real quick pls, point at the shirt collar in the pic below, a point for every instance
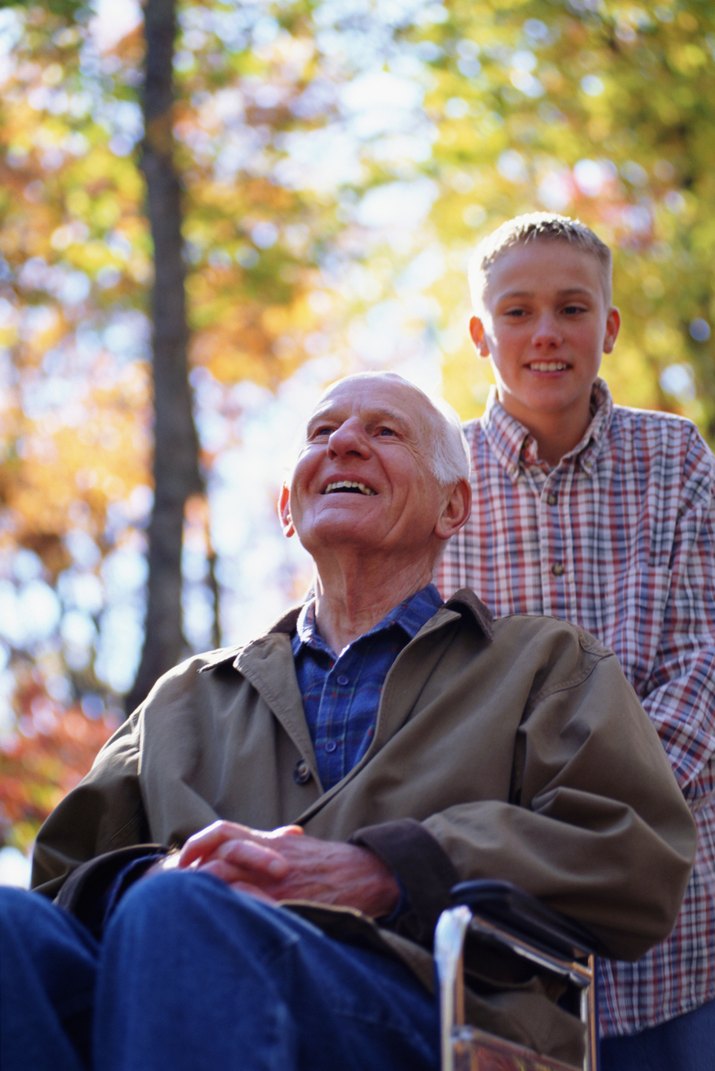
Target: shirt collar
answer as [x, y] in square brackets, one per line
[409, 615]
[465, 603]
[514, 446]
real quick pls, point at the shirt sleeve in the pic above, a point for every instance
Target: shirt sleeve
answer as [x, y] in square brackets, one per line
[679, 695]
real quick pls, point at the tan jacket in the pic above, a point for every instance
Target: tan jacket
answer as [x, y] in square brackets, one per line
[511, 749]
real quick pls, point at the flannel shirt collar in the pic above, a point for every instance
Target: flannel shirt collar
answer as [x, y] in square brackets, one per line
[409, 615]
[464, 602]
[515, 447]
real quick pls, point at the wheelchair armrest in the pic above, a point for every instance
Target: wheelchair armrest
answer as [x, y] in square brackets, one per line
[506, 916]
[506, 905]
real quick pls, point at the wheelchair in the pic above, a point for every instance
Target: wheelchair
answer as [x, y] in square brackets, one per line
[498, 915]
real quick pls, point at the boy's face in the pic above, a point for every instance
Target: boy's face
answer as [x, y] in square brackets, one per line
[545, 326]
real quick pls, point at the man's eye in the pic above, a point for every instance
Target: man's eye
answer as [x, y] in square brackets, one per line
[323, 431]
[385, 432]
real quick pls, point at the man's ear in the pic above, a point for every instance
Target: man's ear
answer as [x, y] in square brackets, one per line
[613, 323]
[455, 511]
[284, 512]
[478, 335]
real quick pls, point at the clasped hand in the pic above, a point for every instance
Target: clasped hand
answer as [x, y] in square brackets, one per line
[287, 864]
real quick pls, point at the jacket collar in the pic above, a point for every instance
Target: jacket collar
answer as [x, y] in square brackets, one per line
[467, 603]
[464, 602]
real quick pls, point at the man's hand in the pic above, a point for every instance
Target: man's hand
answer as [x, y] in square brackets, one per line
[286, 864]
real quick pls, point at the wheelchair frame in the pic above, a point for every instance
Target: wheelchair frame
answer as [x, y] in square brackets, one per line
[513, 919]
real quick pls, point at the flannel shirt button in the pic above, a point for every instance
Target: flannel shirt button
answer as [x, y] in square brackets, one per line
[551, 498]
[301, 772]
[557, 569]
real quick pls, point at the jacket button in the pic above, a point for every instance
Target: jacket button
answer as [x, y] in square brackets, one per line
[558, 569]
[301, 772]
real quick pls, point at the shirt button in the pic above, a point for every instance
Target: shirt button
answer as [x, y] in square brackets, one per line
[301, 772]
[551, 498]
[557, 569]
[330, 746]
[343, 680]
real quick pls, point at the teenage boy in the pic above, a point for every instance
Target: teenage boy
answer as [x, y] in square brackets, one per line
[602, 515]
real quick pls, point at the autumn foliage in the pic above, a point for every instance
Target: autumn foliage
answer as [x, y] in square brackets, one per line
[51, 748]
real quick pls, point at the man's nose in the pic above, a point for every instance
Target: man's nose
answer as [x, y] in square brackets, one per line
[349, 438]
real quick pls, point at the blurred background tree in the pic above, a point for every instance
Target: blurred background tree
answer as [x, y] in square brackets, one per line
[329, 165]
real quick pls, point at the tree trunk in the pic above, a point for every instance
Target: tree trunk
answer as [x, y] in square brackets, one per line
[175, 465]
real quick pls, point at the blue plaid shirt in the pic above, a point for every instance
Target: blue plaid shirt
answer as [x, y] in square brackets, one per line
[341, 693]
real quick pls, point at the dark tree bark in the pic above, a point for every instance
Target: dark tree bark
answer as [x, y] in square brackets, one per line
[176, 468]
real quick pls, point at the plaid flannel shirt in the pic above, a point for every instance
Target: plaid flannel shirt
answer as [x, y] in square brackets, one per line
[618, 538]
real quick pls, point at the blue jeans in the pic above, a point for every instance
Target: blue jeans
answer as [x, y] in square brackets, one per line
[686, 1043]
[191, 975]
[47, 973]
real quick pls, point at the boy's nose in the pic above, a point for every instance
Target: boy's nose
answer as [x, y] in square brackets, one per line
[546, 330]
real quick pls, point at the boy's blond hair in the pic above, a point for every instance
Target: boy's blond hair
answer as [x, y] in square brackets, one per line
[532, 227]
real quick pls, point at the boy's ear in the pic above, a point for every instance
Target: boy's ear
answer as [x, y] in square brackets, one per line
[284, 512]
[479, 338]
[613, 323]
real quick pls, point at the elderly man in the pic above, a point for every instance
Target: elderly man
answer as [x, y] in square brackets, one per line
[254, 865]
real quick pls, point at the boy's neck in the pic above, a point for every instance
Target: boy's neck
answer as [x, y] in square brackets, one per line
[556, 433]
[552, 448]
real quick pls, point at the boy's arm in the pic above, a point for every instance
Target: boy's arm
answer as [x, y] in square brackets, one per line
[679, 695]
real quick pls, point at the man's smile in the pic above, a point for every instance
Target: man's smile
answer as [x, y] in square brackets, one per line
[351, 487]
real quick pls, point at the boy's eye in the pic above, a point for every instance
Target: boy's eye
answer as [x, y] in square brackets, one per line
[515, 313]
[574, 310]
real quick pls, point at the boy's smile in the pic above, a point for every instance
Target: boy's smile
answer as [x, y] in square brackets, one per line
[545, 326]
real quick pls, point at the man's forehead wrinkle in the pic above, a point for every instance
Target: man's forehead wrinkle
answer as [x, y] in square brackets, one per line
[369, 414]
